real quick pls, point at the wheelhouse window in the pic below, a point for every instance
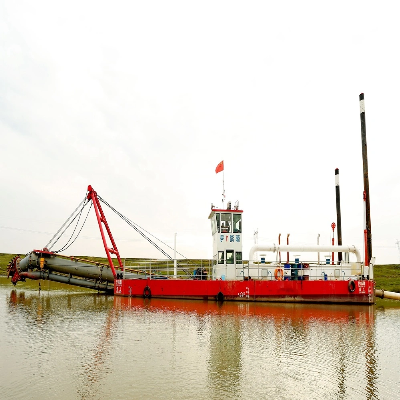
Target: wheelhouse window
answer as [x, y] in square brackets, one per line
[237, 223]
[226, 222]
[238, 257]
[218, 219]
[221, 259]
[230, 257]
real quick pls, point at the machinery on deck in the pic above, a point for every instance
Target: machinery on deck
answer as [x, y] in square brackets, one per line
[47, 264]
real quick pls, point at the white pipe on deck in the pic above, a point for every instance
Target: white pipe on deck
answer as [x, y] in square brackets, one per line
[305, 249]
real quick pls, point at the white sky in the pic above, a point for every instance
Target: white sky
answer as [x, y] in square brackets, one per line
[143, 99]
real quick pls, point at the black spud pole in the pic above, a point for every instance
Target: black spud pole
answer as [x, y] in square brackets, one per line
[368, 243]
[338, 214]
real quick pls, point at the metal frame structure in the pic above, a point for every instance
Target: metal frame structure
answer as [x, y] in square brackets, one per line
[101, 219]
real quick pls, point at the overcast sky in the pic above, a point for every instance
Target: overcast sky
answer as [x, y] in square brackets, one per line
[143, 99]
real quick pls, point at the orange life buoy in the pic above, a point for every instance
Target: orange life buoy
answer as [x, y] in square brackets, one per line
[278, 274]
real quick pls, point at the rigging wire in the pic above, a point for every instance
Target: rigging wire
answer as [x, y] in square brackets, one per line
[136, 228]
[78, 215]
[66, 246]
[132, 224]
[48, 244]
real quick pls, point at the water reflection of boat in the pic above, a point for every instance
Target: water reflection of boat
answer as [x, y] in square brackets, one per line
[235, 344]
[294, 311]
[285, 342]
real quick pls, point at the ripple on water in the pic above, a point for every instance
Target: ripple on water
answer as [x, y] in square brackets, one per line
[78, 345]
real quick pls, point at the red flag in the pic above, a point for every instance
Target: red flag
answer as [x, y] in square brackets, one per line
[220, 167]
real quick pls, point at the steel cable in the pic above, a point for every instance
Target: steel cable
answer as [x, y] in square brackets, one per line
[133, 225]
[136, 228]
[66, 246]
[62, 233]
[47, 245]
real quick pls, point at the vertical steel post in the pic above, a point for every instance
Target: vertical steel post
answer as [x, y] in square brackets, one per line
[279, 242]
[366, 255]
[366, 182]
[287, 242]
[333, 226]
[175, 264]
[338, 214]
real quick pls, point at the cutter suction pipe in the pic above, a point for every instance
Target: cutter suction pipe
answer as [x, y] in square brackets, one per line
[44, 275]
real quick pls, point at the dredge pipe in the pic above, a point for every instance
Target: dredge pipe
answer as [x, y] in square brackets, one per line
[103, 287]
[384, 294]
[63, 265]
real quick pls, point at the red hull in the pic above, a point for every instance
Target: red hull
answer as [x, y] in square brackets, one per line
[252, 290]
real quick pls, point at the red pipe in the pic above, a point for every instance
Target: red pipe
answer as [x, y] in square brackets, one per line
[287, 242]
[279, 242]
[366, 251]
[333, 226]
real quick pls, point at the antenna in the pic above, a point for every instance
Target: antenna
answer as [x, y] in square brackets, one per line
[220, 167]
[223, 187]
[398, 246]
[256, 236]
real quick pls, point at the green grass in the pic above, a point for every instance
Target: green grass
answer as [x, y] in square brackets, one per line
[387, 277]
[5, 258]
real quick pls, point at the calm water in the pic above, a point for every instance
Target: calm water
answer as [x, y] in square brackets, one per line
[67, 343]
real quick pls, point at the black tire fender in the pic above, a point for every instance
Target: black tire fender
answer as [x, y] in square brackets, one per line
[351, 286]
[147, 292]
[220, 296]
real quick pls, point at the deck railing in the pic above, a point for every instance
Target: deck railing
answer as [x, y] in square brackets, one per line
[165, 268]
[203, 269]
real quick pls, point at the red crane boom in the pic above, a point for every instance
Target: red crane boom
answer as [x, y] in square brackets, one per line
[101, 219]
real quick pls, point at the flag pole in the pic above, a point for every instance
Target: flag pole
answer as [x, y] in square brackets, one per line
[223, 187]
[220, 167]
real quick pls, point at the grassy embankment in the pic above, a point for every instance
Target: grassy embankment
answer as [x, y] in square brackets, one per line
[387, 277]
